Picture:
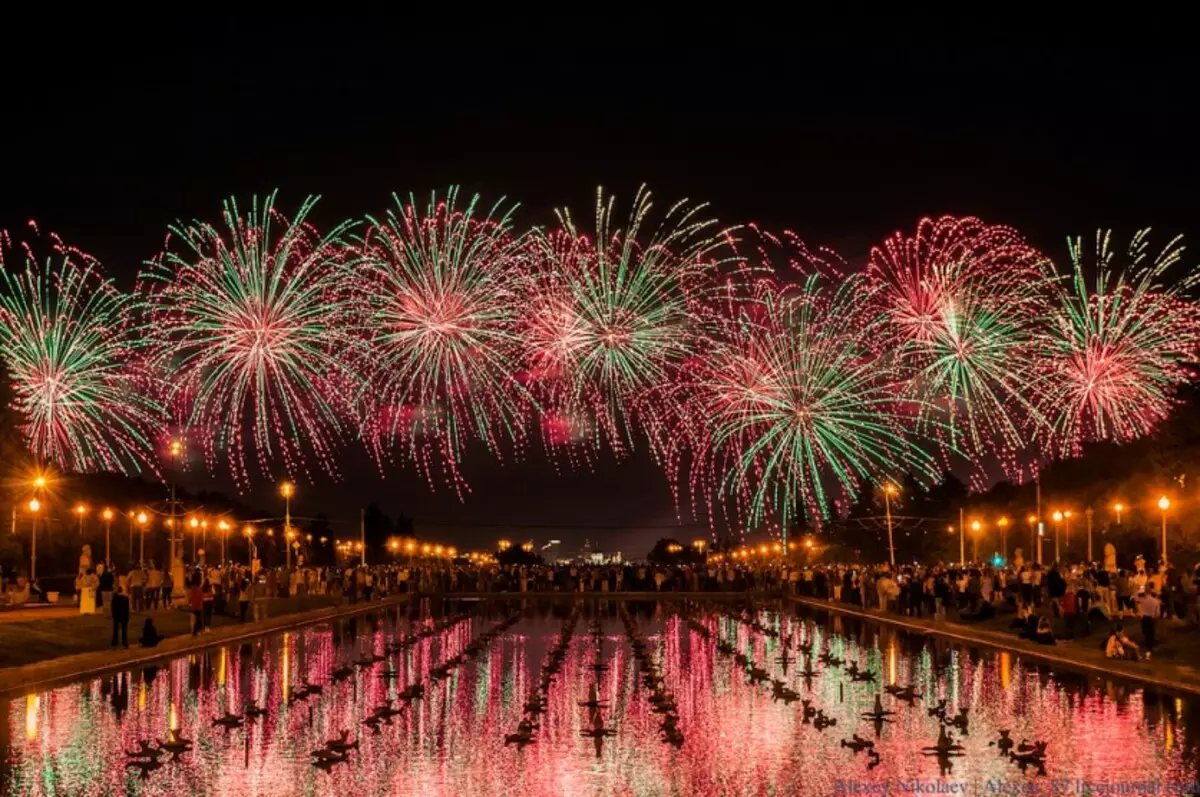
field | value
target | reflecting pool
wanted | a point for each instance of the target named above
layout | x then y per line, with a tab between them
737	680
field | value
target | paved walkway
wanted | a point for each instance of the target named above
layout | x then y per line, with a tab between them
37	613
1166	674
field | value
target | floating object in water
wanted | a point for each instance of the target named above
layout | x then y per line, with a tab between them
823	721
878	714
858	744
229	721
1004	743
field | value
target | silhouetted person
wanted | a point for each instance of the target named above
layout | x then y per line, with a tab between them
120	617
150	636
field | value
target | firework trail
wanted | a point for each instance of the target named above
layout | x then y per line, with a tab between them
963	301
65	344
607	318
250	324
787	409
1114	350
437	292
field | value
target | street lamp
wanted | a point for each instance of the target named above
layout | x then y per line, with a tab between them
1164	504
1003	524
142	519
81	510
503	545
889	490
976	527
1118	508
34	506
287	489
1035	549
194	522
223	527
1058	518
248	531
107	514
1067	532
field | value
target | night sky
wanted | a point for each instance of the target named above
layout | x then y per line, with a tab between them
110	138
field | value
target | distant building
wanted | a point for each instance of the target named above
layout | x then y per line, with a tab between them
591	555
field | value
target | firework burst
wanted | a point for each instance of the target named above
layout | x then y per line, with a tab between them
64	342
440	311
1115	349
249	321
963	301
787	410
608	319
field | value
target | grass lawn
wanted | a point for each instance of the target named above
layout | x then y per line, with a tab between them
39	640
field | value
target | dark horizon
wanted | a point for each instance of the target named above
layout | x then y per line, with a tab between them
117	140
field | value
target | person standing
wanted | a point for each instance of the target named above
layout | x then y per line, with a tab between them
120	617
195	599
107	583
206	589
154	583
1149	607
244	597
137	586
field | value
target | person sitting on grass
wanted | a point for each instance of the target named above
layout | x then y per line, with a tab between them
150	636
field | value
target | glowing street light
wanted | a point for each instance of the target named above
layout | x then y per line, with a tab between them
1035	544
1164	504
976	527
34	507
1118	507
142	520
1003	524
1057	517
107	514
248	531
889	490
287	490
81	510
223	527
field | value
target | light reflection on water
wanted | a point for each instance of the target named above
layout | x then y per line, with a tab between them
71	740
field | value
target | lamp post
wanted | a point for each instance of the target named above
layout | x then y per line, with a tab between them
34	506
1003	524
143	519
1034	555
889	490
1067	532
287	489
1089	514
107	514
175	448
248	531
81	510
222	527
1164	504
1118	508
976	528
194	522
1058	518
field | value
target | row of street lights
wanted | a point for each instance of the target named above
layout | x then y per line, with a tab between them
1062	519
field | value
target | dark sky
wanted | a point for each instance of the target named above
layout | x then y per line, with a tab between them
109	138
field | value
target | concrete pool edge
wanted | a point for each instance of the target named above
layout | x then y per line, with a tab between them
42	674
1010	644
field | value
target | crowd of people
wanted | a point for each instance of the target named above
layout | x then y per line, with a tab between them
1045	603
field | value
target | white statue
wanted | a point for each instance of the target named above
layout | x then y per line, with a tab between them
85	559
1110	557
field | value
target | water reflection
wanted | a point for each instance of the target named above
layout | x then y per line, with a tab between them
737	739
